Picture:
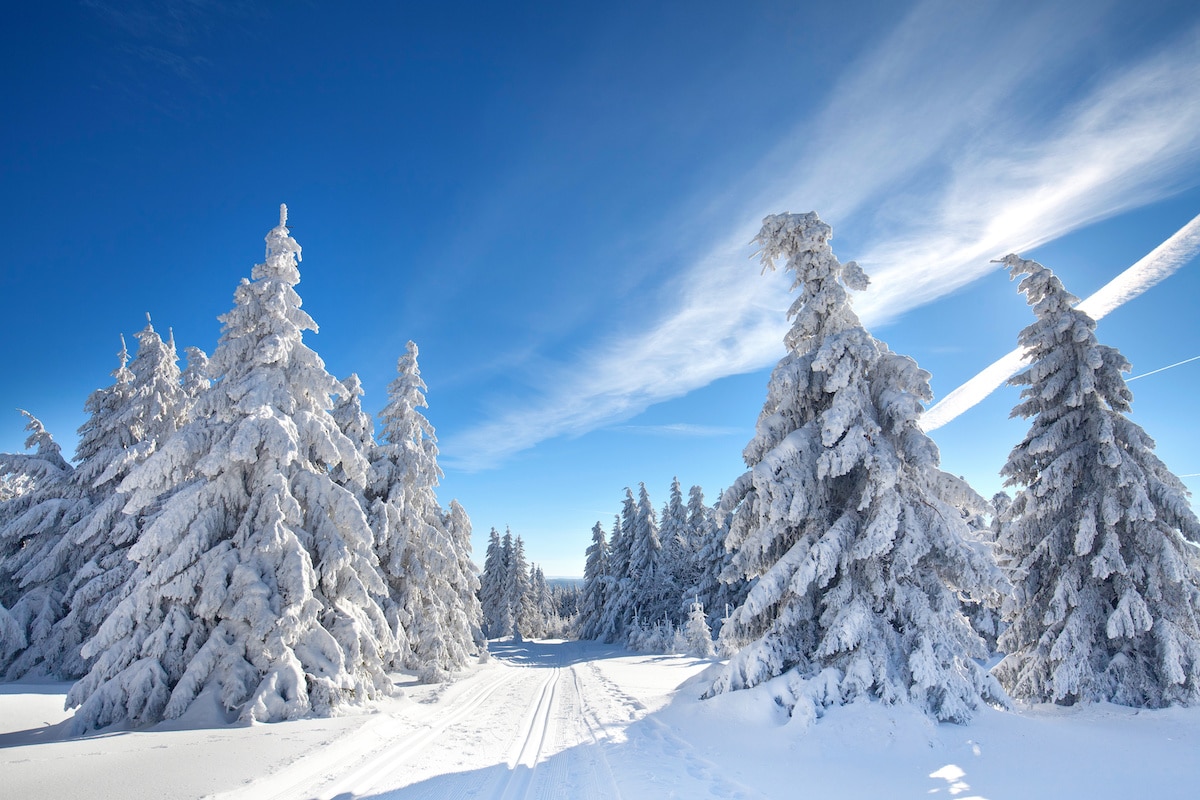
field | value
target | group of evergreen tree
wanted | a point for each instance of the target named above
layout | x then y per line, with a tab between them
863	556
644	583
516	600
232	533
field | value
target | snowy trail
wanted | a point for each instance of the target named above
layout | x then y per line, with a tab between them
499	726
537	734
357	763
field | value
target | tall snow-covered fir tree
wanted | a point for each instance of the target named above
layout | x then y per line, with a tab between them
153	406
650	602
76	563
358	427
1100	539
255	580
718	587
520	592
195	377
619	609
468	625
432	590
595	586
858	560
675	556
497	616
539	595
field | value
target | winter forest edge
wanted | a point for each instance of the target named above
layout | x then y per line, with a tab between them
234	534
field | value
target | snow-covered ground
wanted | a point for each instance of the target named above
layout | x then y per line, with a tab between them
586	720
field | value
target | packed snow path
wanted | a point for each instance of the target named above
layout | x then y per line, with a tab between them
541	720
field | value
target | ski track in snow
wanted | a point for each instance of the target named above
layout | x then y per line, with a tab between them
542	721
357	763
521	729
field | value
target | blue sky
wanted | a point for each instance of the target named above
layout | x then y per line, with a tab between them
555	200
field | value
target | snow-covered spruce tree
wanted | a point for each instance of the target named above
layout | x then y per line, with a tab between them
39	475
696	525
195	377
469	624
719	588
497	617
74	568
619	610
255	575
34	567
988	617
540	601
357	425
520	593
152	407
595	586
982	609
858	560
1107	587
644	556
421	562
697	633
675	558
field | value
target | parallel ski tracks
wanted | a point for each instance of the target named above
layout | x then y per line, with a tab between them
578	732
312	778
604	783
527	750
368	774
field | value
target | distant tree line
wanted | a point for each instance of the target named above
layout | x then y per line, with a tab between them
516	600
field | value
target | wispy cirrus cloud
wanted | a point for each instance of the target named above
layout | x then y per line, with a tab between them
1119	148
920	146
680	429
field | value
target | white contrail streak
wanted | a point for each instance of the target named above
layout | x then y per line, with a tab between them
1155	266
1164	369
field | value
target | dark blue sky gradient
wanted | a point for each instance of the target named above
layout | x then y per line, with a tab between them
511	185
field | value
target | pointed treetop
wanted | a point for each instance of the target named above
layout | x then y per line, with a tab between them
149	322
123	354
1041	287
283	253
353	385
39	437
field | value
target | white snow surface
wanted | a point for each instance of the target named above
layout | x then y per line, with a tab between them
555	719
